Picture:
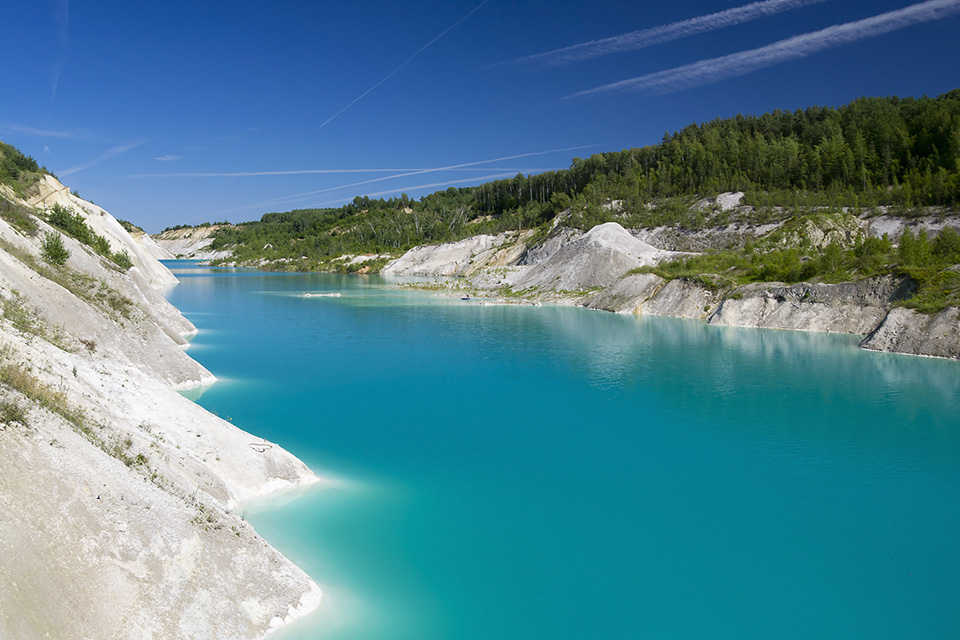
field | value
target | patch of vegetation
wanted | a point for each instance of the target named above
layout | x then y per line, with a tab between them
121	259
75	225
18	217
122	451
53	250
17	313
934	266
17	170
130	227
18	377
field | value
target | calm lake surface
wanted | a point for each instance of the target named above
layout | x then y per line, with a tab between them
516	472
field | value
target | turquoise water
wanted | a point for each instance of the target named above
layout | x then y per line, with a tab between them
507	472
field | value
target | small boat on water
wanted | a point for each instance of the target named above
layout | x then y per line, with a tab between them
321	295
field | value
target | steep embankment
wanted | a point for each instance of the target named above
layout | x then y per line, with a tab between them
117	493
600	269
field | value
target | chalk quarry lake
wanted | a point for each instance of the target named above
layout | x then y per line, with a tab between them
516	472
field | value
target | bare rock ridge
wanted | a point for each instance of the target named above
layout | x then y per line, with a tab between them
599	269
118	496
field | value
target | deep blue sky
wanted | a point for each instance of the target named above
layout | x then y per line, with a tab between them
129	101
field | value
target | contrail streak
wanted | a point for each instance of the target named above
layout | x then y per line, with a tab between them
403	64
713	70
435	170
432	185
665	33
302	196
106	155
292	172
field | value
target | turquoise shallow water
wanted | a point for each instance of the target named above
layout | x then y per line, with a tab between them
537	472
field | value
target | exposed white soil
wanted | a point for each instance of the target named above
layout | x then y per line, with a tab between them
122	521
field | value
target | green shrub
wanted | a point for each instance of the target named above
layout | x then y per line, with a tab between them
100	244
53	250
946	247
71	222
122	259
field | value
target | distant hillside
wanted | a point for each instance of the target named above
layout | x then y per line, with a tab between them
891	152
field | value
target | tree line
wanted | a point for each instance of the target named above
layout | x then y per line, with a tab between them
871	152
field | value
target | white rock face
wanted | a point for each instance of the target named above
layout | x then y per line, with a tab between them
629	294
597	259
853	307
152	248
907	331
117	507
191	243
725	201
453	258
682	299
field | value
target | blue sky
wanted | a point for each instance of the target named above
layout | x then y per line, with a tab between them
184	112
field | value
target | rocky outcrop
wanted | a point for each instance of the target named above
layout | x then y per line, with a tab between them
628	294
461	258
650	294
849	307
683	299
907	331
118	495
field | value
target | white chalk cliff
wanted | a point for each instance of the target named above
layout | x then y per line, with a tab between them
117	494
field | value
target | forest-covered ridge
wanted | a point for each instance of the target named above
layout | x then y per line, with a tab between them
895	152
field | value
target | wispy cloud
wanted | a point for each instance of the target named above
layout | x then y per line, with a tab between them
169	158
737	64
310	194
403	64
42	133
103	157
295	172
664	33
